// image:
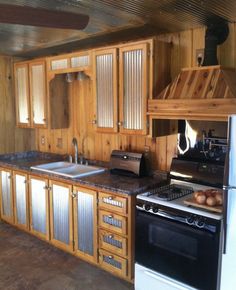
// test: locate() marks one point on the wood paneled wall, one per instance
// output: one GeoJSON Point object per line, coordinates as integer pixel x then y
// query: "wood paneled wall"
{"type": "Point", "coordinates": [12, 139]}
{"type": "Point", "coordinates": [98, 146]}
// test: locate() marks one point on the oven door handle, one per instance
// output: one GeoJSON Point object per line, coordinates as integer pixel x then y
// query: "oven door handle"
{"type": "Point", "coordinates": [166, 280]}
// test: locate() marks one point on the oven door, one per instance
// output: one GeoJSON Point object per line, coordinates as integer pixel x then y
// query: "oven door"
{"type": "Point", "coordinates": [177, 250]}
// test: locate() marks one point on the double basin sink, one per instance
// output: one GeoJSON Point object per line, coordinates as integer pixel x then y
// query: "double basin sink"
{"type": "Point", "coordinates": [68, 169]}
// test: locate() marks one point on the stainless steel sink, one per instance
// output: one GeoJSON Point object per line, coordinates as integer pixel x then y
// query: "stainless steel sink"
{"type": "Point", "coordinates": [68, 169]}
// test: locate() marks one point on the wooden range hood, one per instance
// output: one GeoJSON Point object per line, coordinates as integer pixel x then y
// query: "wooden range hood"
{"type": "Point", "coordinates": [201, 93]}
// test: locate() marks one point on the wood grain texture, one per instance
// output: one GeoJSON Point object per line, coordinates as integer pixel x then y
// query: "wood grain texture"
{"type": "Point", "coordinates": [99, 145]}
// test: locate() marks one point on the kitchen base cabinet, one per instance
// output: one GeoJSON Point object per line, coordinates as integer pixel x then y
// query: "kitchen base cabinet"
{"type": "Point", "coordinates": [85, 223]}
{"type": "Point", "coordinates": [61, 226]}
{"type": "Point", "coordinates": [6, 196]}
{"type": "Point", "coordinates": [116, 234]}
{"type": "Point", "coordinates": [21, 208]}
{"type": "Point", "coordinates": [39, 207]}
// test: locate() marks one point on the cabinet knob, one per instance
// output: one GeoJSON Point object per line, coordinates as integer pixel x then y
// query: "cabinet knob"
{"type": "Point", "coordinates": [45, 187]}
{"type": "Point", "coordinates": [110, 257]}
{"type": "Point", "coordinates": [94, 122]}
{"type": "Point", "coordinates": [110, 197]}
{"type": "Point", "coordinates": [110, 216]}
{"type": "Point", "coordinates": [25, 181]}
{"type": "Point", "coordinates": [27, 119]}
{"type": "Point", "coordinates": [74, 194]}
{"type": "Point", "coordinates": [120, 123]}
{"type": "Point", "coordinates": [9, 176]}
{"type": "Point", "coordinates": [110, 236]}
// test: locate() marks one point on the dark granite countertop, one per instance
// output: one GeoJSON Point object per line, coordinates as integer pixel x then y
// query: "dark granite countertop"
{"type": "Point", "coordinates": [100, 181]}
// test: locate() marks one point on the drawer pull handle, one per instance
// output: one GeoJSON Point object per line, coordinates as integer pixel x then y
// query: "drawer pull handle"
{"type": "Point", "coordinates": [110, 236]}
{"type": "Point", "coordinates": [110, 198]}
{"type": "Point", "coordinates": [110, 257]}
{"type": "Point", "coordinates": [110, 216]}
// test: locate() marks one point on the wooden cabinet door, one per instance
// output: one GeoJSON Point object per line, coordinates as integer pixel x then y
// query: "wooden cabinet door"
{"type": "Point", "coordinates": [133, 93]}
{"type": "Point", "coordinates": [85, 223]}
{"type": "Point", "coordinates": [39, 207]}
{"type": "Point", "coordinates": [105, 89]}
{"type": "Point", "coordinates": [37, 72]}
{"type": "Point", "coordinates": [21, 199]}
{"type": "Point", "coordinates": [22, 95]}
{"type": "Point", "coordinates": [6, 196]}
{"type": "Point", "coordinates": [61, 229]}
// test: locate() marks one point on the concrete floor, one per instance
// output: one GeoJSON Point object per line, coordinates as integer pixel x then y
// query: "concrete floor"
{"type": "Point", "coordinates": [27, 263]}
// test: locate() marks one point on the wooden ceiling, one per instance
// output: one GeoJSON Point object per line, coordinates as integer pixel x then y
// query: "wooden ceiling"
{"type": "Point", "coordinates": [109, 21]}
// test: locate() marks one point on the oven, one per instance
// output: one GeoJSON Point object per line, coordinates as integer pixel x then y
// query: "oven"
{"type": "Point", "coordinates": [178, 242]}
{"type": "Point", "coordinates": [176, 247]}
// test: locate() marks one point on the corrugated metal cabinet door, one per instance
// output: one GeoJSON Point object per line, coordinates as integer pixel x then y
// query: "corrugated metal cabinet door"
{"type": "Point", "coordinates": [133, 95]}
{"type": "Point", "coordinates": [105, 89]}
{"type": "Point", "coordinates": [6, 196]}
{"type": "Point", "coordinates": [85, 223]}
{"type": "Point", "coordinates": [61, 215]}
{"type": "Point", "coordinates": [21, 200]}
{"type": "Point", "coordinates": [39, 207]}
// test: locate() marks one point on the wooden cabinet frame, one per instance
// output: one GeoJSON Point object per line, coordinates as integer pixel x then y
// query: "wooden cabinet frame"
{"type": "Point", "coordinates": [114, 53]}
{"type": "Point", "coordinates": [19, 225]}
{"type": "Point", "coordinates": [79, 253]}
{"type": "Point", "coordinates": [144, 47]}
{"type": "Point", "coordinates": [4, 217]}
{"type": "Point", "coordinates": [58, 243]}
{"type": "Point", "coordinates": [40, 235]}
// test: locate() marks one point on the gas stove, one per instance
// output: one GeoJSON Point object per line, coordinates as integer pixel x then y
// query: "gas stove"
{"type": "Point", "coordinates": [187, 176]}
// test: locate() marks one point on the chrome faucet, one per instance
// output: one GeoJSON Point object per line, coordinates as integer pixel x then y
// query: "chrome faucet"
{"type": "Point", "coordinates": [75, 144]}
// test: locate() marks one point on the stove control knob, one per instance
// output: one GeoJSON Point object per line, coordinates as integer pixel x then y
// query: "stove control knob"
{"type": "Point", "coordinates": [147, 207]}
{"type": "Point", "coordinates": [200, 223]}
{"type": "Point", "coordinates": [155, 209]}
{"type": "Point", "coordinates": [190, 220]}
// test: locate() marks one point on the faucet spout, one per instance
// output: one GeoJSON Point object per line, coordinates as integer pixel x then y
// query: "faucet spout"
{"type": "Point", "coordinates": [75, 144]}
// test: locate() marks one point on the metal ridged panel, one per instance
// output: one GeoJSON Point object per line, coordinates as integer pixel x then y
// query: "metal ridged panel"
{"type": "Point", "coordinates": [6, 194]}
{"type": "Point", "coordinates": [112, 221]}
{"type": "Point", "coordinates": [59, 64]}
{"type": "Point", "coordinates": [85, 222]}
{"type": "Point", "coordinates": [38, 90]}
{"type": "Point", "coordinates": [22, 87]}
{"type": "Point", "coordinates": [105, 97]}
{"type": "Point", "coordinates": [20, 193]}
{"type": "Point", "coordinates": [133, 89]}
{"type": "Point", "coordinates": [60, 200]}
{"type": "Point", "coordinates": [112, 241]}
{"type": "Point", "coordinates": [116, 203]}
{"type": "Point", "coordinates": [79, 61]}
{"type": "Point", "coordinates": [111, 261]}
{"type": "Point", "coordinates": [38, 204]}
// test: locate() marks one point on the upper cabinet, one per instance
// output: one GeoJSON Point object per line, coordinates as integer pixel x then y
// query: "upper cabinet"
{"type": "Point", "coordinates": [133, 68]}
{"type": "Point", "coordinates": [124, 78]}
{"type": "Point", "coordinates": [70, 62]}
{"type": "Point", "coordinates": [30, 87]}
{"type": "Point", "coordinates": [106, 89]}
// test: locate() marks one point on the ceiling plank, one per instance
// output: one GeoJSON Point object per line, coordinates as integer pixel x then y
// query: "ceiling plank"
{"type": "Point", "coordinates": [25, 15]}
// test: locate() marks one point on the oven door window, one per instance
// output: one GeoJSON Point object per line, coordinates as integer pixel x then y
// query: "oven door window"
{"type": "Point", "coordinates": [177, 250]}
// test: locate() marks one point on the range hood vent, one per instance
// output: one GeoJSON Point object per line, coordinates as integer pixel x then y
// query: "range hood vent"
{"type": "Point", "coordinates": [197, 93]}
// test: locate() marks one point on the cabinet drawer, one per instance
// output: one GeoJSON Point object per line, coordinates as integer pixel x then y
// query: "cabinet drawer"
{"type": "Point", "coordinates": [113, 202]}
{"type": "Point", "coordinates": [113, 263]}
{"type": "Point", "coordinates": [112, 242]}
{"type": "Point", "coordinates": [113, 222]}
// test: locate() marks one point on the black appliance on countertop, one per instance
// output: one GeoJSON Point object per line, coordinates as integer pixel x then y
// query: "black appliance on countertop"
{"type": "Point", "coordinates": [128, 163]}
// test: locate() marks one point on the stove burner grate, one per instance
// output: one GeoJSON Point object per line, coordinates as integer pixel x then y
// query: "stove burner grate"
{"type": "Point", "coordinates": [170, 192]}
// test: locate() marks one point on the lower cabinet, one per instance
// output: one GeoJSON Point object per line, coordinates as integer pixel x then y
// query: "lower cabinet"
{"type": "Point", "coordinates": [21, 207]}
{"type": "Point", "coordinates": [85, 223]}
{"type": "Point", "coordinates": [39, 207]}
{"type": "Point", "coordinates": [6, 196]}
{"type": "Point", "coordinates": [61, 222]}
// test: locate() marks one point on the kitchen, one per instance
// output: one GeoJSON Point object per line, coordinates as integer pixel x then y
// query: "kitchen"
{"type": "Point", "coordinates": [181, 48]}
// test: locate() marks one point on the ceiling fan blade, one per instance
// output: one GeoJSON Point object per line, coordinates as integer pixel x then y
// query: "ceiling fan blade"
{"type": "Point", "coordinates": [25, 15]}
